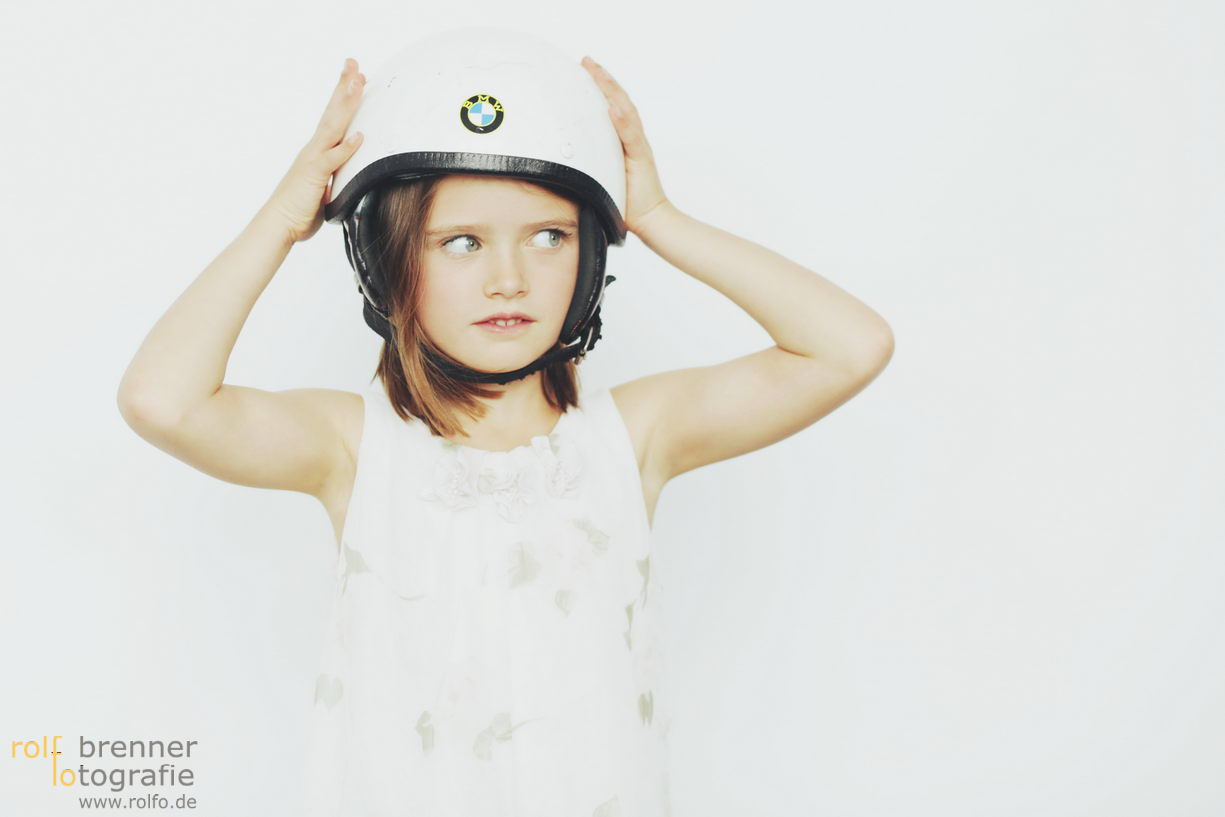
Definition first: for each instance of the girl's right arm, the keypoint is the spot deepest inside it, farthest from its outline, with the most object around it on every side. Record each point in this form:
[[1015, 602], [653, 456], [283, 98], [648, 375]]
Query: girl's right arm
[[173, 393]]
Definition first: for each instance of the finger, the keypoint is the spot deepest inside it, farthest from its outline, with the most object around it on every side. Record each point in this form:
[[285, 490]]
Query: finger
[[347, 75], [611, 88], [318, 166], [623, 113], [346, 97], [338, 155]]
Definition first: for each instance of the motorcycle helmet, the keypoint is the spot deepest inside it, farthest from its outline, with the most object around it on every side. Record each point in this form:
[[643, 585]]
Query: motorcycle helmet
[[485, 100]]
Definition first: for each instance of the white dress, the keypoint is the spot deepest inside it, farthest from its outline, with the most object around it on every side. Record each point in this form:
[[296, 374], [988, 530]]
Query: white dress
[[494, 647]]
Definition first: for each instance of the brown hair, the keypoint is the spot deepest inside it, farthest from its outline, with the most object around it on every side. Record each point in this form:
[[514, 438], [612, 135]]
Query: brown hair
[[416, 387]]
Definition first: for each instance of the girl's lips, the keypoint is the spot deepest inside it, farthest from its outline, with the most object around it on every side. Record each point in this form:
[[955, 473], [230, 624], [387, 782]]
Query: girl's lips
[[514, 329]]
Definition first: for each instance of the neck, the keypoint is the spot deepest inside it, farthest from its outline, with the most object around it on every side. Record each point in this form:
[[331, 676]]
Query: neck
[[522, 412]]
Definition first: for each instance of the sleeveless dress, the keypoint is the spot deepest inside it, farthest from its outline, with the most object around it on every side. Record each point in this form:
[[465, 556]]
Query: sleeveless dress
[[494, 646]]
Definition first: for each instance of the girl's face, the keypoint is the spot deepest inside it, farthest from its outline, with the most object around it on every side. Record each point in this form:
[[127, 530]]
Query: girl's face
[[497, 245]]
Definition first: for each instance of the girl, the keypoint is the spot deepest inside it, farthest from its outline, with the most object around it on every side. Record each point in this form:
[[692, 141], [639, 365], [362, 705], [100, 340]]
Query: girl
[[494, 646]]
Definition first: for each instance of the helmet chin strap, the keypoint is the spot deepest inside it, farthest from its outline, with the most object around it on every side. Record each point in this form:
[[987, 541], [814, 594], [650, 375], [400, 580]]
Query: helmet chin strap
[[578, 349]]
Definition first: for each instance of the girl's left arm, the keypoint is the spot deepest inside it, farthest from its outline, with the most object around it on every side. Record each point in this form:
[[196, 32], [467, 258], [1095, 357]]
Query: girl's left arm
[[806, 314], [828, 344]]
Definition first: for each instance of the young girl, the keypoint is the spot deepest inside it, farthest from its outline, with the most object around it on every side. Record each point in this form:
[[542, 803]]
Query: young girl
[[495, 646]]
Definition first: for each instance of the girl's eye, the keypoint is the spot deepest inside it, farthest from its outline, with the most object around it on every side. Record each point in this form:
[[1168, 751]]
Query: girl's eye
[[455, 241], [562, 235], [450, 241]]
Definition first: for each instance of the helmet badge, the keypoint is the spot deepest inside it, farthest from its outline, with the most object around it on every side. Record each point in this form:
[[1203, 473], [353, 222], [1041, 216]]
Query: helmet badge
[[481, 113]]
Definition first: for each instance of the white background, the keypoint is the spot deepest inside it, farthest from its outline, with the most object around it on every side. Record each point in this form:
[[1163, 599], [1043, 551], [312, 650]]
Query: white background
[[989, 584]]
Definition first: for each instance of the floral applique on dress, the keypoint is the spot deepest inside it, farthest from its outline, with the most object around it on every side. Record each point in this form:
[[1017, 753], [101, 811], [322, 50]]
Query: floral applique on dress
[[514, 480], [328, 689], [499, 729], [611, 808], [597, 537], [354, 563], [452, 483]]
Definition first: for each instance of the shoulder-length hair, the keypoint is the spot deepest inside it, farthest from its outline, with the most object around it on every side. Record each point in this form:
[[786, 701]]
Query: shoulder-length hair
[[414, 386]]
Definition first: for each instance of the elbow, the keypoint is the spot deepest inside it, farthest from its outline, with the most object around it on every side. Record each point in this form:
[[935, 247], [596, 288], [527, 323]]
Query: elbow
[[884, 353], [140, 411], [874, 352], [133, 410], [886, 346]]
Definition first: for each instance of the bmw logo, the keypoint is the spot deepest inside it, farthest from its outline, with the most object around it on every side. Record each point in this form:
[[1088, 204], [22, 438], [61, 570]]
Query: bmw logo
[[481, 113]]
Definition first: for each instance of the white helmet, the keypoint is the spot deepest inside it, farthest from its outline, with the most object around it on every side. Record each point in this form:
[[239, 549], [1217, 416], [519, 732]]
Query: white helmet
[[486, 100]]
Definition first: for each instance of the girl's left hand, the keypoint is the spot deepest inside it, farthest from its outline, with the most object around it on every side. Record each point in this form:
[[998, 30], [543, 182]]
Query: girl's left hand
[[643, 192]]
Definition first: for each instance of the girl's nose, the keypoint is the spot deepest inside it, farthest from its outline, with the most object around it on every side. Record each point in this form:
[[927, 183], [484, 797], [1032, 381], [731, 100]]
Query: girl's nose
[[507, 276]]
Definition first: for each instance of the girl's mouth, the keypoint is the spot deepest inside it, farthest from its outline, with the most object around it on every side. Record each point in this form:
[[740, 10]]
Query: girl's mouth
[[512, 326]]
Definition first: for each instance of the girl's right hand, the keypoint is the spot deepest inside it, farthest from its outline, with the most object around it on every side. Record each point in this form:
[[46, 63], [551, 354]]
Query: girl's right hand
[[298, 200]]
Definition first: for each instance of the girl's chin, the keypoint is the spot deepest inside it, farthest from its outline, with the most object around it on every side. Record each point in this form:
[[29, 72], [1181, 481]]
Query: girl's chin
[[498, 364]]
